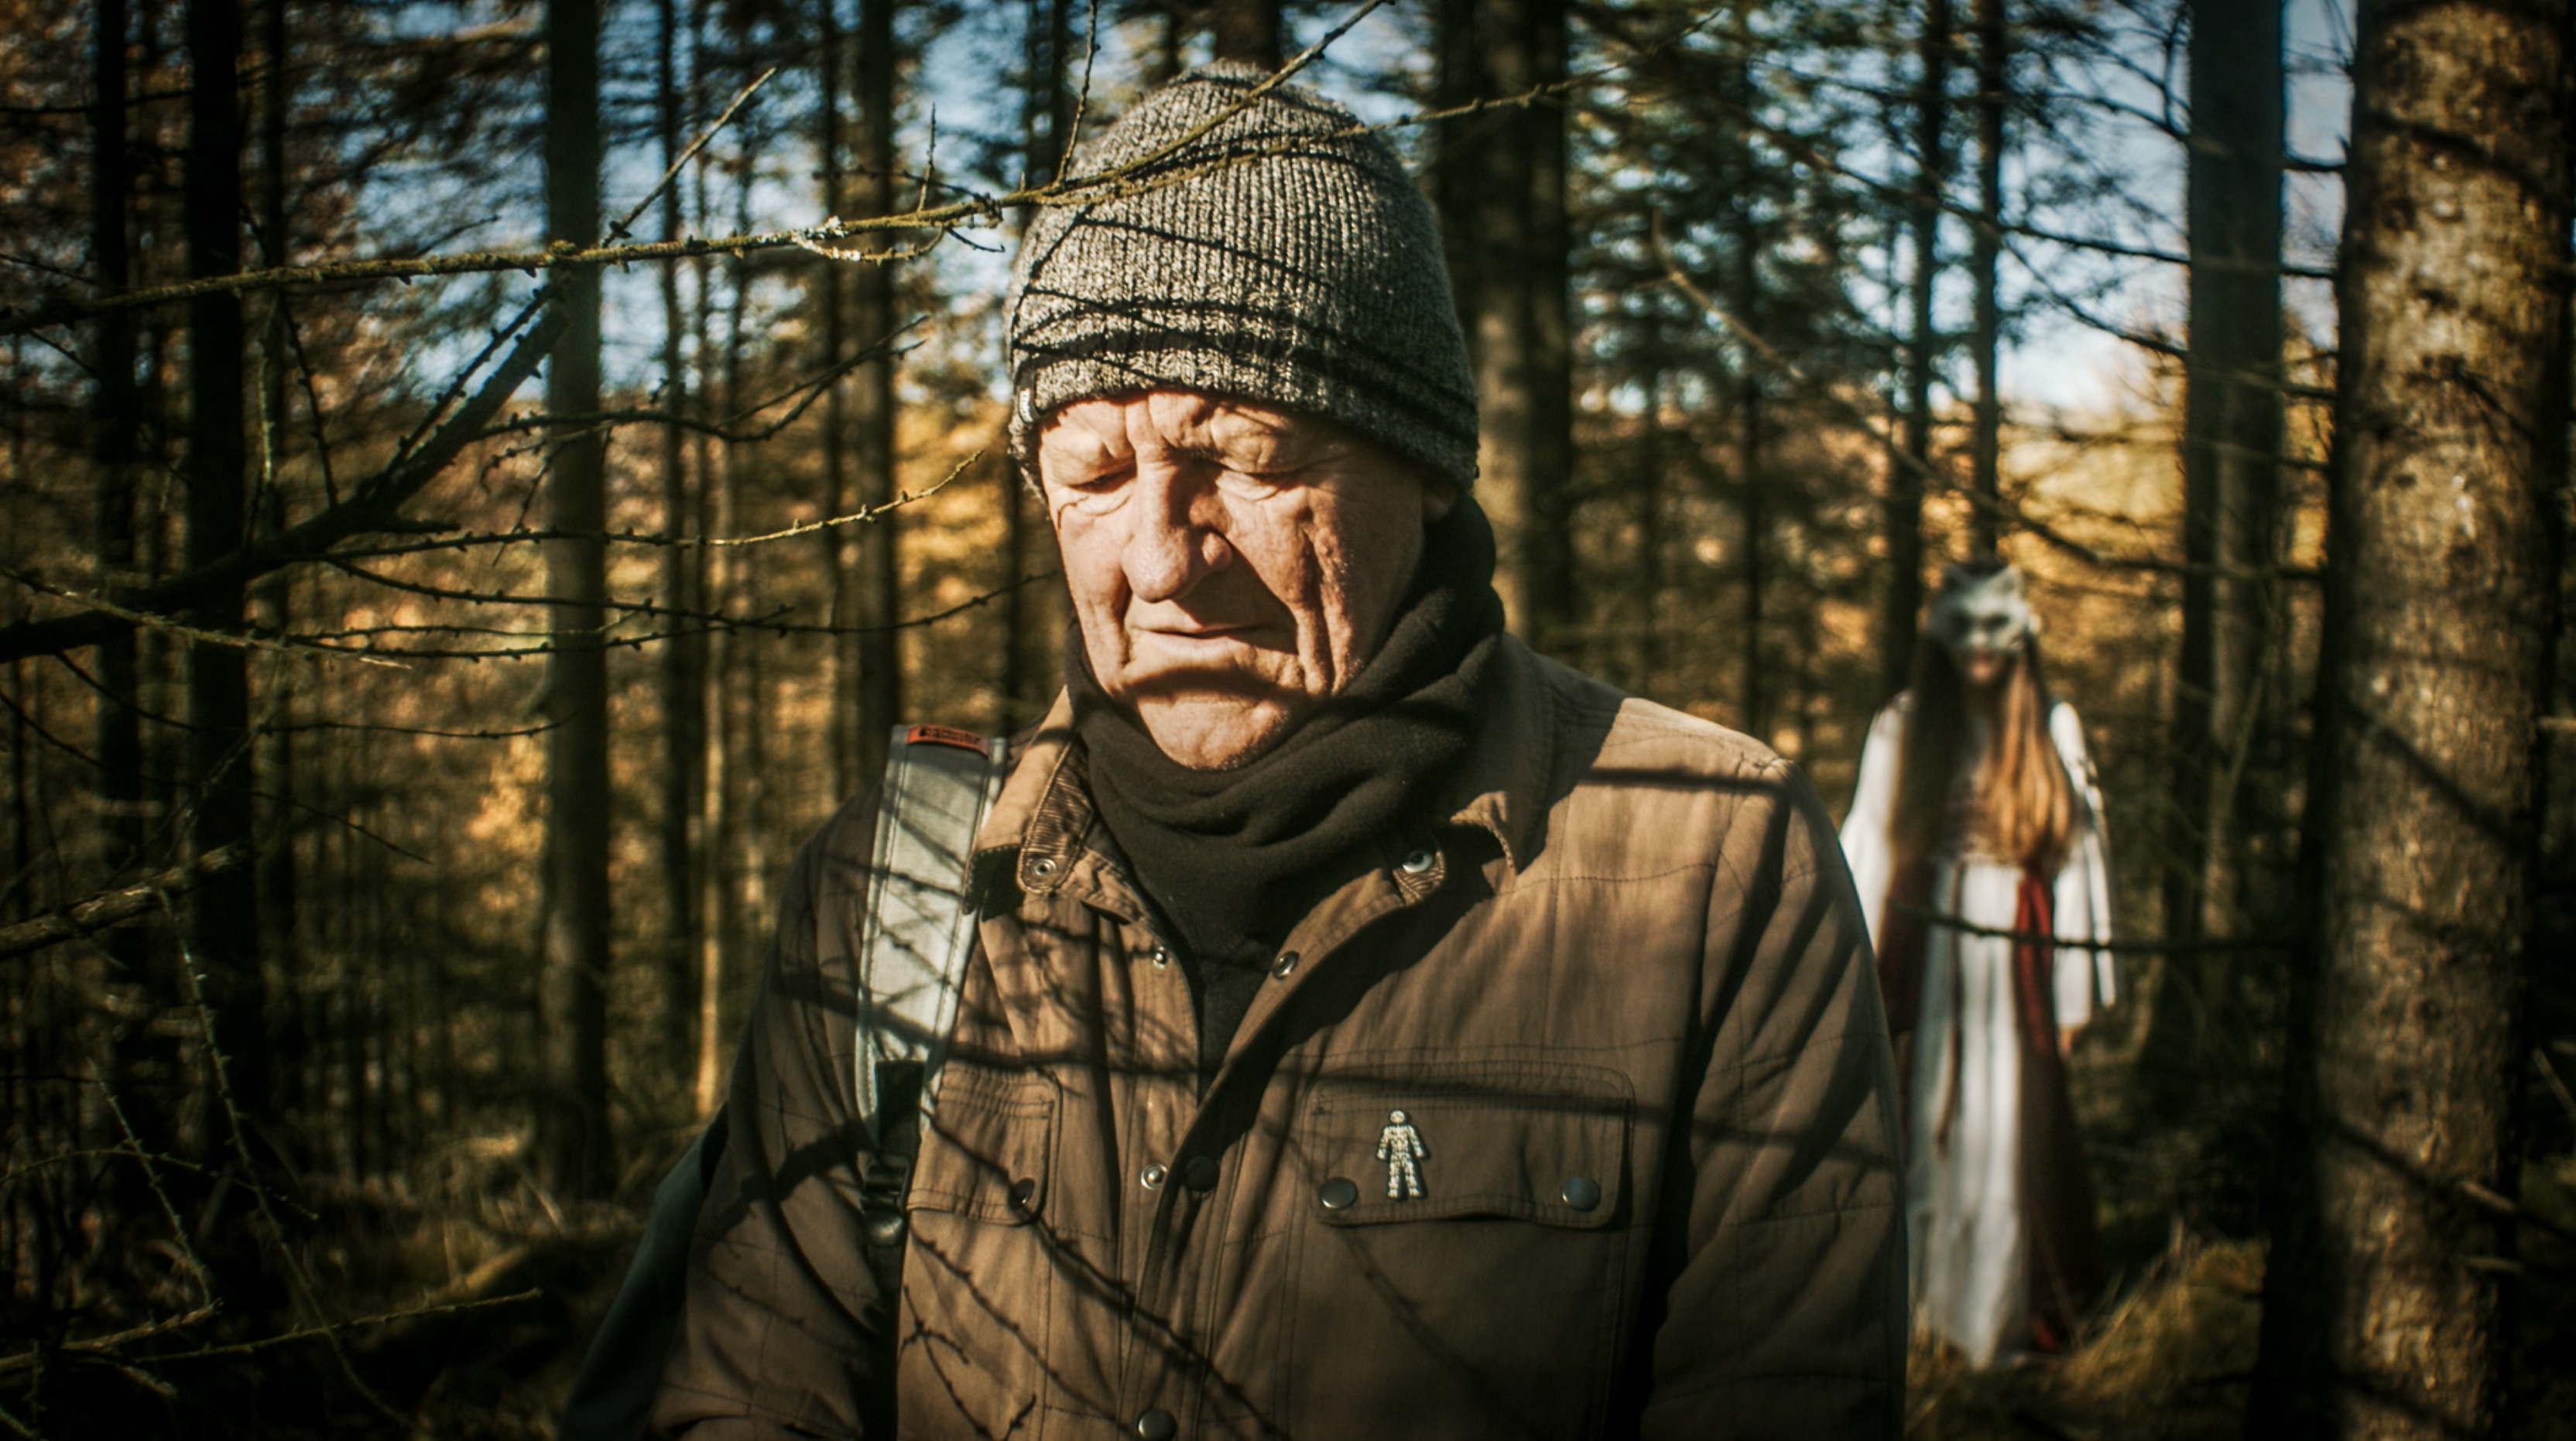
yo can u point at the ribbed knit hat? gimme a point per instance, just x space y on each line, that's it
1282 257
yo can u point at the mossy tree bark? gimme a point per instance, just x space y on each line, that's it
2385 1306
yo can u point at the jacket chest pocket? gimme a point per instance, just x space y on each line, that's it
1464 1264
980 1264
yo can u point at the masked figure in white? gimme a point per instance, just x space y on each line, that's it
1975 839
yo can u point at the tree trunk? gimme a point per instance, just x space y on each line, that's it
113 402
2384 1308
1248 31
1647 489
224 913
880 564
729 817
842 672
1902 515
1172 39
1754 500
1523 350
1031 622
146 1056
1994 77
572 1133
683 685
1458 149
273 598
2231 495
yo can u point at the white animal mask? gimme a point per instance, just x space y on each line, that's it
1981 611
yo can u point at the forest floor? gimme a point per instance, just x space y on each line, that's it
2171 1356
2171 1359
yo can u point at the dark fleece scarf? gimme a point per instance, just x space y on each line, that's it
1232 858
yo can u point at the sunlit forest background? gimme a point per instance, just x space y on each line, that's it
424 656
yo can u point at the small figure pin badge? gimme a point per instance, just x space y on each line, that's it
1400 1146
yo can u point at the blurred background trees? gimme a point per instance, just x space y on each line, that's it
434 647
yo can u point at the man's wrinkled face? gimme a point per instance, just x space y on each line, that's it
1231 564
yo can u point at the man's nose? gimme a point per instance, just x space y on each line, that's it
1178 535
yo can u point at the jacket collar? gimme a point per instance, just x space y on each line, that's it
1034 835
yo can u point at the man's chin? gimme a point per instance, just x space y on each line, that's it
1216 730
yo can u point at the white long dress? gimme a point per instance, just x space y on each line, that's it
1965 1223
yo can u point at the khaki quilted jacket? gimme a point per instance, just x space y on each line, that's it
1642 1182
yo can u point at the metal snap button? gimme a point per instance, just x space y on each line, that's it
1151 1178
1157 1425
1024 1195
1199 1173
1285 966
1161 956
1582 1192
1339 1194
1042 866
1416 862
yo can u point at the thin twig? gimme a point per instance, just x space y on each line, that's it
301 1285
243 1348
1964 926
95 1345
620 230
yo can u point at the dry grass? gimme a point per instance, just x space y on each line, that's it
2170 1361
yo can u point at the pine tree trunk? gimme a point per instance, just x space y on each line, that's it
1985 253
1754 497
146 1057
2231 492
2385 1306
683 659
1901 518
841 666
1246 31
572 1135
1647 484
1458 158
729 818
1031 619
1523 348
224 913
273 598
880 563
113 403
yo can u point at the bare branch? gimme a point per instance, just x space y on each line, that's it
114 908
374 508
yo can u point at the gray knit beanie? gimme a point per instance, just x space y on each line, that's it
1282 257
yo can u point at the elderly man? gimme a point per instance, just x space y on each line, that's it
1373 1028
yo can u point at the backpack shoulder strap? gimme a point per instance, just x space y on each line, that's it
912 959
913 945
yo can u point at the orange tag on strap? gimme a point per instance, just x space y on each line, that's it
946 736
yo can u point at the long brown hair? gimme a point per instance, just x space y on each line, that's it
2025 804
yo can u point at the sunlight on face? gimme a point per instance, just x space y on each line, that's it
1231 564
